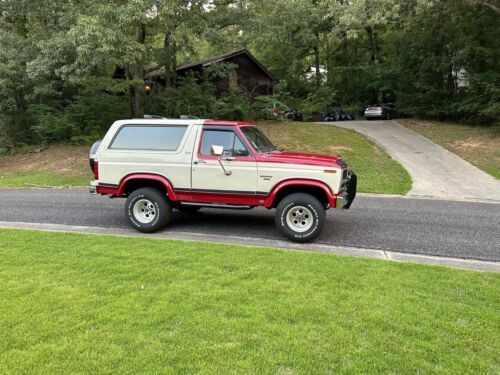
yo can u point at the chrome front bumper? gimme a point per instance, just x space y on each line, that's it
340 202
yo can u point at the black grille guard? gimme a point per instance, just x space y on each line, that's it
351 186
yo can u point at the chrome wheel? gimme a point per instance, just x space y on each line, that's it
299 219
144 211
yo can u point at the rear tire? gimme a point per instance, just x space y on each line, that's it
148 210
300 217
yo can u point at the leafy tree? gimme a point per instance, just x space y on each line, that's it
69 68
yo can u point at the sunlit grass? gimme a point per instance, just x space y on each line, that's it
377 171
99 304
42 179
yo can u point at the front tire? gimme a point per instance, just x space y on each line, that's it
148 210
300 217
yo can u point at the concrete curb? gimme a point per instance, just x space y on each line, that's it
471 264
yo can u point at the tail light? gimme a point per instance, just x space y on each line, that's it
95 169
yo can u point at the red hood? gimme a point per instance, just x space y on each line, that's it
299 158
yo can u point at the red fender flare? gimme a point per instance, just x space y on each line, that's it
147 176
299 182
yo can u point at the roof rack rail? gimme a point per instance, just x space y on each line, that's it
154 117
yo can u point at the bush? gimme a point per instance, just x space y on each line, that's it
82 121
262 107
188 98
232 107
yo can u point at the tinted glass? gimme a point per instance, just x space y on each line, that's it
228 139
164 138
257 139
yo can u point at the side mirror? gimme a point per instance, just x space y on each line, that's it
217 150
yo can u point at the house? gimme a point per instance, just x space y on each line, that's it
249 73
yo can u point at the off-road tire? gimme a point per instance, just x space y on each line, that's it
161 209
312 207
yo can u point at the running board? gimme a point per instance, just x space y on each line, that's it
217 205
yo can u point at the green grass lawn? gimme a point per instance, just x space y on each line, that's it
478 145
75 303
377 171
42 178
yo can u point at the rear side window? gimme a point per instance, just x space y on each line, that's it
160 138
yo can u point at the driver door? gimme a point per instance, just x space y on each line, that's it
208 176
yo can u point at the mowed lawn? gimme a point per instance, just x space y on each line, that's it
75 303
65 165
479 145
58 165
377 171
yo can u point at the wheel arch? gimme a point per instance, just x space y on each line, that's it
316 188
137 180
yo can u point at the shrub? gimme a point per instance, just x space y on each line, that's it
262 107
232 107
82 121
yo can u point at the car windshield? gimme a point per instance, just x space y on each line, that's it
257 139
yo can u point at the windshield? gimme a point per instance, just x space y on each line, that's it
257 139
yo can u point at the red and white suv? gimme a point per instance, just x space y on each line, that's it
160 164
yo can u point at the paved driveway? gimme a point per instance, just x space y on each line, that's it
435 171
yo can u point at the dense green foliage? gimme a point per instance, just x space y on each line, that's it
98 304
58 59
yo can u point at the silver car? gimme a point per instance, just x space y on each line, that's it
381 111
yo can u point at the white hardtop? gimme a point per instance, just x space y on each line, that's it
159 121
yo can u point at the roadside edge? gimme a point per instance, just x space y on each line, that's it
471 264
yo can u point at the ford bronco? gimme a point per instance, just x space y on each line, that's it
187 164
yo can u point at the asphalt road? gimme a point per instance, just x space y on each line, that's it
431 227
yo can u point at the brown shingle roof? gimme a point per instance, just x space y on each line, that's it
223 57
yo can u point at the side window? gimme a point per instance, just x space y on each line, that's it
233 146
239 148
143 137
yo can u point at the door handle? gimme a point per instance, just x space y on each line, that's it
201 161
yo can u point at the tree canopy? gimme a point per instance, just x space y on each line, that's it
59 59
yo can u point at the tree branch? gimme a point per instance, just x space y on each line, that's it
495 8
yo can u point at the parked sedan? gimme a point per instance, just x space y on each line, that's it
381 111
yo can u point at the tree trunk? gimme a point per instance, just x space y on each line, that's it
170 51
372 48
329 62
136 92
316 66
